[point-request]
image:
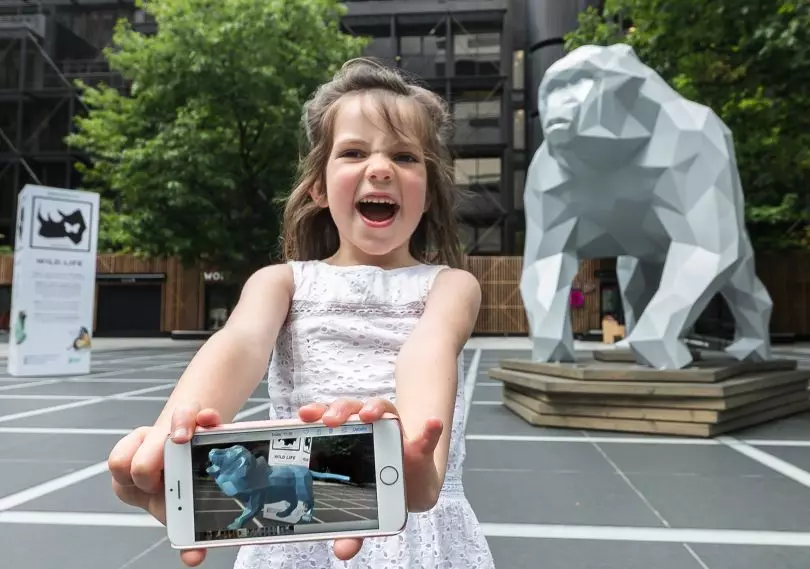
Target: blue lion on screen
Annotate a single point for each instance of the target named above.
(253, 482)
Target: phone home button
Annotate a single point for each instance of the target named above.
(389, 475)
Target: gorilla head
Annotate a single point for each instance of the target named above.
(593, 107)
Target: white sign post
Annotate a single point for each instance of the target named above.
(54, 280)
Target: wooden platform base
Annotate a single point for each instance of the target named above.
(716, 395)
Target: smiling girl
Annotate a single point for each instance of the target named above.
(368, 315)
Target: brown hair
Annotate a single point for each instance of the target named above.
(309, 231)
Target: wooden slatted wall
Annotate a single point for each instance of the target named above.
(785, 275)
(502, 309)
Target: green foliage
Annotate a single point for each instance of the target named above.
(205, 143)
(749, 60)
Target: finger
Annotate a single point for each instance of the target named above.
(192, 557)
(312, 412)
(131, 495)
(155, 504)
(147, 464)
(426, 443)
(184, 422)
(208, 418)
(340, 411)
(375, 408)
(120, 460)
(347, 548)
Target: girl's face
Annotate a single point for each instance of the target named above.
(376, 185)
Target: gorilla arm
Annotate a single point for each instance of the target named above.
(550, 261)
(703, 221)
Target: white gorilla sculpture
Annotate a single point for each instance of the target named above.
(630, 168)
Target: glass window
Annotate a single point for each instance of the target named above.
(470, 171)
(477, 109)
(519, 130)
(518, 65)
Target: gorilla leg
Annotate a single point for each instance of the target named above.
(546, 287)
(751, 306)
(692, 276)
(638, 281)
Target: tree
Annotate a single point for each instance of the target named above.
(749, 60)
(205, 143)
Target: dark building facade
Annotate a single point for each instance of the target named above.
(485, 57)
(44, 47)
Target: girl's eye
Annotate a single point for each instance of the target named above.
(351, 154)
(406, 158)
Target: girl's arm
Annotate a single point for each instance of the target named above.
(226, 370)
(427, 366)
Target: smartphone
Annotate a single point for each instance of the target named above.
(271, 482)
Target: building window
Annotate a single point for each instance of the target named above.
(477, 171)
(519, 130)
(477, 54)
(518, 66)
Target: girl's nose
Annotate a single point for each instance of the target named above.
(379, 170)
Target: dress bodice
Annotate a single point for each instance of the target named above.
(344, 331)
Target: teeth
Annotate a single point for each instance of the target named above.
(378, 200)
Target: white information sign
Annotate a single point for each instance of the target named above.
(287, 451)
(53, 285)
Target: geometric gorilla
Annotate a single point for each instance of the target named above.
(631, 169)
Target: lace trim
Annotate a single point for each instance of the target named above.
(311, 307)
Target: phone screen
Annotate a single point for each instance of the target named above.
(282, 482)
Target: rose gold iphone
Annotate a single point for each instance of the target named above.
(285, 481)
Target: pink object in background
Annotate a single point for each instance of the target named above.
(577, 298)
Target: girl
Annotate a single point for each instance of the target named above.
(360, 318)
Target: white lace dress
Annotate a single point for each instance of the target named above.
(345, 328)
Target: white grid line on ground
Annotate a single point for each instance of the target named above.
(75, 404)
(55, 484)
(469, 385)
(530, 531)
(90, 379)
(29, 384)
(34, 492)
(119, 397)
(776, 464)
(644, 499)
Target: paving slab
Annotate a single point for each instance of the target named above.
(797, 456)
(713, 487)
(20, 475)
(498, 420)
(56, 448)
(13, 406)
(109, 414)
(26, 546)
(92, 495)
(794, 428)
(538, 497)
(753, 557)
(514, 553)
(162, 556)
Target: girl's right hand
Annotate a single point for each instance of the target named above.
(136, 464)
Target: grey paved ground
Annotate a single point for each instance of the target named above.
(547, 498)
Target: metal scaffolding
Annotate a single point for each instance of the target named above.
(40, 58)
(467, 58)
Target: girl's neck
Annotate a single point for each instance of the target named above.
(397, 259)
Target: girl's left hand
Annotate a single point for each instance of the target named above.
(421, 477)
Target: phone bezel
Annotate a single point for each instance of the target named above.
(178, 487)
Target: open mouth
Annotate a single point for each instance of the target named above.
(377, 210)
(557, 122)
